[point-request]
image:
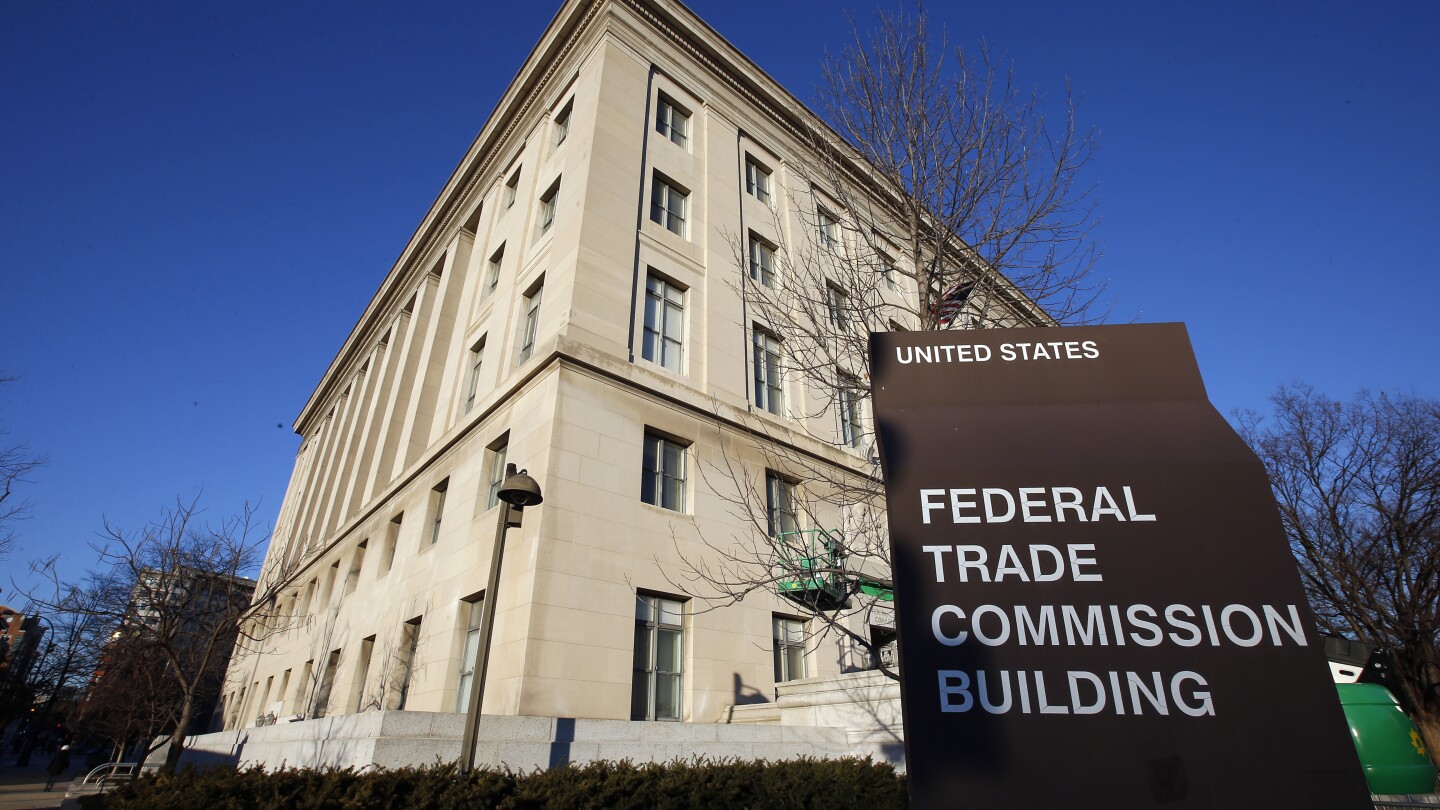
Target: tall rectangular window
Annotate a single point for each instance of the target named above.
(887, 270)
(664, 336)
(410, 645)
(662, 481)
(362, 671)
(327, 684)
(659, 655)
(532, 322)
(847, 402)
(356, 563)
(836, 303)
(392, 538)
(327, 588)
(492, 277)
(781, 508)
(303, 687)
(767, 371)
(497, 473)
(829, 230)
(547, 206)
(262, 708)
(789, 637)
(667, 205)
(757, 180)
(470, 610)
(762, 261)
(512, 188)
(472, 381)
(562, 123)
(284, 687)
(240, 705)
(672, 122)
(437, 509)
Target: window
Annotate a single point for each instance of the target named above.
(662, 482)
(310, 596)
(887, 271)
(410, 643)
(884, 640)
(659, 651)
(512, 188)
(547, 206)
(477, 357)
(327, 684)
(497, 471)
(470, 609)
(829, 230)
(667, 205)
(265, 697)
(789, 635)
(437, 509)
(392, 537)
(284, 687)
(835, 304)
(362, 671)
(762, 261)
(304, 685)
(663, 341)
(532, 322)
(562, 123)
(847, 402)
(757, 180)
(672, 122)
(353, 577)
(492, 280)
(780, 504)
(767, 371)
(328, 588)
(239, 705)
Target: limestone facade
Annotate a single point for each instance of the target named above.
(513, 328)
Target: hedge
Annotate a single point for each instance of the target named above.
(718, 784)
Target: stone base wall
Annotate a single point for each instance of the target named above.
(396, 739)
(866, 705)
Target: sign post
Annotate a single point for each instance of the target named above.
(1096, 604)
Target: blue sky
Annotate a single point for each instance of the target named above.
(200, 198)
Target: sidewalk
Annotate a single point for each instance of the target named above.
(23, 788)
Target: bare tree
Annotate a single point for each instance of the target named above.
(175, 594)
(1358, 486)
(61, 665)
(941, 195)
(129, 698)
(17, 463)
(962, 171)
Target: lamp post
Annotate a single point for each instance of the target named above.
(518, 491)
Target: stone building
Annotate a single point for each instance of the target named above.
(570, 304)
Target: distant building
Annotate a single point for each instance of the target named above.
(20, 638)
(195, 614)
(569, 303)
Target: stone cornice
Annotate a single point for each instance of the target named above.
(528, 86)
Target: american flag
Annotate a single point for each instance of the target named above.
(951, 302)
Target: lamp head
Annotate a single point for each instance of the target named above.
(521, 490)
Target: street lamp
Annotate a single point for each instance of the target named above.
(518, 491)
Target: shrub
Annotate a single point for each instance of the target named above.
(717, 784)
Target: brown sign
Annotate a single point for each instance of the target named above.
(1096, 603)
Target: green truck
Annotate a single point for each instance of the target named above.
(1391, 749)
